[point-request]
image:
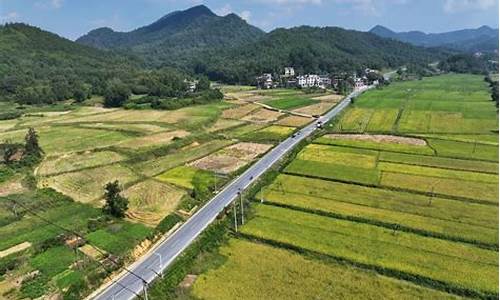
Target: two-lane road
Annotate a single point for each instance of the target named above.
(159, 258)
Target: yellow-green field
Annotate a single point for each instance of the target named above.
(398, 197)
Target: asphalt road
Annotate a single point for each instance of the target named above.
(128, 286)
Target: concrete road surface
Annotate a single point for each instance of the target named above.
(151, 265)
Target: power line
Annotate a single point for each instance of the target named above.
(80, 236)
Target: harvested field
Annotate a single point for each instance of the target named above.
(92, 252)
(315, 109)
(294, 121)
(231, 158)
(150, 201)
(88, 185)
(14, 249)
(14, 186)
(163, 138)
(263, 115)
(139, 128)
(392, 139)
(223, 124)
(7, 125)
(161, 164)
(73, 162)
(239, 111)
(330, 98)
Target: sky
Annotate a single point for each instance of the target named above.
(73, 18)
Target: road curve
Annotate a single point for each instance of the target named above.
(159, 258)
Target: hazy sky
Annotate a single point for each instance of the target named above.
(73, 18)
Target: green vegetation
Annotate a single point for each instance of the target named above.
(291, 102)
(115, 205)
(185, 176)
(431, 216)
(400, 253)
(443, 104)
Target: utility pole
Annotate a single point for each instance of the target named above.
(235, 219)
(242, 212)
(261, 194)
(161, 264)
(145, 289)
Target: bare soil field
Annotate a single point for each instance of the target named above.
(263, 116)
(239, 111)
(10, 187)
(14, 249)
(392, 139)
(154, 140)
(231, 158)
(315, 109)
(331, 98)
(294, 121)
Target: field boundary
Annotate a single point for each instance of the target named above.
(457, 198)
(394, 226)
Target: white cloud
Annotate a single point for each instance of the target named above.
(9, 17)
(454, 6)
(227, 9)
(49, 4)
(224, 10)
(246, 15)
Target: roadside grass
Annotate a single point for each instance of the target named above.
(486, 192)
(369, 245)
(290, 102)
(185, 176)
(257, 271)
(77, 161)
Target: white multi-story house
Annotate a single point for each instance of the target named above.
(308, 81)
(289, 72)
(265, 81)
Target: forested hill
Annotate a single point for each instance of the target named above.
(178, 36)
(312, 49)
(50, 68)
(483, 38)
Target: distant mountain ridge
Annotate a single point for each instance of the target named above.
(177, 35)
(483, 38)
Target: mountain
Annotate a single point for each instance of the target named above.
(177, 36)
(312, 49)
(42, 66)
(481, 39)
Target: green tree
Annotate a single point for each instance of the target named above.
(32, 148)
(203, 84)
(116, 94)
(9, 150)
(116, 205)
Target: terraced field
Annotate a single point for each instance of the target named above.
(401, 191)
(168, 164)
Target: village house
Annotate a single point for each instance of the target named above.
(265, 81)
(309, 81)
